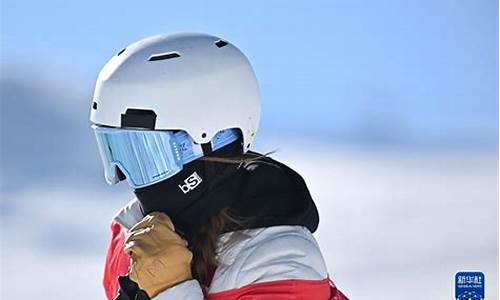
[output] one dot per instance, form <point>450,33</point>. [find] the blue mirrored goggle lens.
<point>144,156</point>
<point>149,156</point>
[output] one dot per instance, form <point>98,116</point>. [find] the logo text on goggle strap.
<point>190,183</point>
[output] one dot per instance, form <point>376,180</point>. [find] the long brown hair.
<point>205,244</point>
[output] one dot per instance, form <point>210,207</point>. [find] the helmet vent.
<point>163,56</point>
<point>220,43</point>
<point>121,51</point>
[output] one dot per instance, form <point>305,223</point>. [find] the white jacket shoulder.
<point>267,254</point>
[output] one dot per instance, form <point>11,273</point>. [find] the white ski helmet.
<point>193,82</point>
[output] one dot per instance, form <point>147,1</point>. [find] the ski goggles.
<point>146,157</point>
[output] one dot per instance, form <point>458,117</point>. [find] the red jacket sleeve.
<point>283,290</point>
<point>117,261</point>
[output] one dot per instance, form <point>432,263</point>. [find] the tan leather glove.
<point>159,256</point>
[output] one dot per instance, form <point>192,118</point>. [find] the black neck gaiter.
<point>185,197</point>
<point>263,192</point>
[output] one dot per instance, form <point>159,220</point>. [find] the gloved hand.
<point>159,256</point>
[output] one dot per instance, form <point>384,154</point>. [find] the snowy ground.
<point>395,224</point>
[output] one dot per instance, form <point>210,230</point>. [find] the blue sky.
<point>403,71</point>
